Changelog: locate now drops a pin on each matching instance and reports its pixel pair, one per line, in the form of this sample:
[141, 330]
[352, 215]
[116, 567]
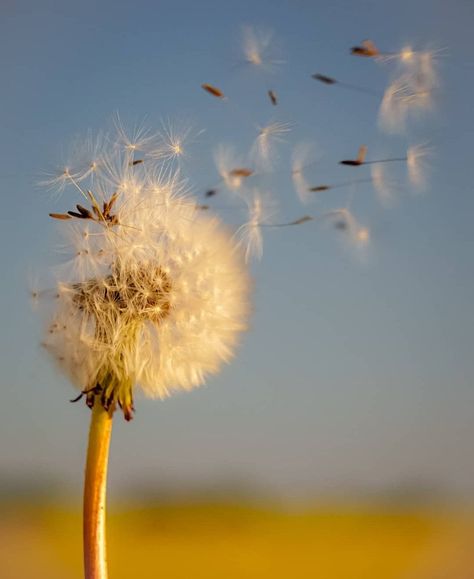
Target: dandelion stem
[95, 555]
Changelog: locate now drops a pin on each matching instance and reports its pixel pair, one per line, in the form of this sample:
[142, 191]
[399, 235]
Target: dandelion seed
[402, 98]
[324, 79]
[301, 220]
[264, 146]
[302, 157]
[273, 98]
[140, 139]
[367, 48]
[173, 141]
[321, 188]
[360, 160]
[331, 81]
[344, 221]
[62, 216]
[230, 167]
[60, 179]
[88, 156]
[411, 92]
[214, 91]
[249, 235]
[241, 172]
[259, 49]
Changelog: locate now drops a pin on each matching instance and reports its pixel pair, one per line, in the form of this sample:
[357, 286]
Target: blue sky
[356, 374]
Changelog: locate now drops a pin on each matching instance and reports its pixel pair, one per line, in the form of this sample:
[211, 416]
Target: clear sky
[357, 373]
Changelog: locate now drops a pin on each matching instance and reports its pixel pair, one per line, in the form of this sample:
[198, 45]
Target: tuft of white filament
[411, 92]
[155, 292]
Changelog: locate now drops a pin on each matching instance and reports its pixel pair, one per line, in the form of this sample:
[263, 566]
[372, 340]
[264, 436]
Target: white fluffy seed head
[155, 292]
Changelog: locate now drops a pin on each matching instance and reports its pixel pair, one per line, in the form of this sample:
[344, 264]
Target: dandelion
[156, 299]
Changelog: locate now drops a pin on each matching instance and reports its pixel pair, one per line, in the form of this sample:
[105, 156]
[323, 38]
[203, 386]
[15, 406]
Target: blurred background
[338, 444]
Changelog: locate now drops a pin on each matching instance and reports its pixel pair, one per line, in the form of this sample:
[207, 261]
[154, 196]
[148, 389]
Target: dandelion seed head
[156, 297]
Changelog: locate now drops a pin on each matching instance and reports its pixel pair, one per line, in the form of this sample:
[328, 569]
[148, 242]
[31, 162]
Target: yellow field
[225, 541]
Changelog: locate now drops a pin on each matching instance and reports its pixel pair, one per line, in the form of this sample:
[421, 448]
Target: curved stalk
[95, 554]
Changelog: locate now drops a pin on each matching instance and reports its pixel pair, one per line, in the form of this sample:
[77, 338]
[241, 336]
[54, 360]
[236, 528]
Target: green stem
[95, 554]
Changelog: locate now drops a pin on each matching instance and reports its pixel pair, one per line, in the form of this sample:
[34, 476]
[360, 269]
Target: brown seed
[350, 162]
[325, 79]
[213, 90]
[62, 216]
[85, 212]
[108, 206]
[301, 220]
[241, 172]
[136, 162]
[273, 97]
[360, 160]
[78, 215]
[211, 192]
[319, 188]
[367, 49]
